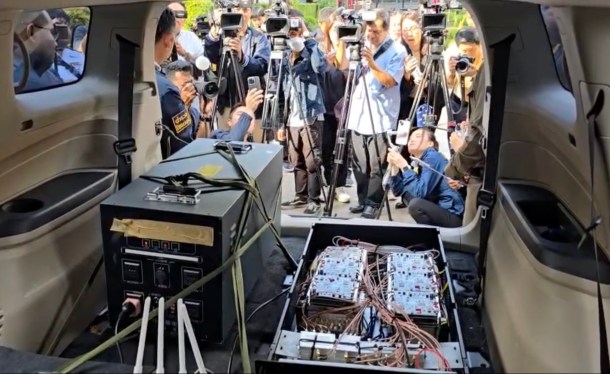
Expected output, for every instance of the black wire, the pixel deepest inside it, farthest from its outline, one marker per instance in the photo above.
(116, 332)
(248, 320)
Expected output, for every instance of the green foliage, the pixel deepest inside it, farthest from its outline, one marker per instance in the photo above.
(195, 8)
(456, 19)
(78, 16)
(310, 14)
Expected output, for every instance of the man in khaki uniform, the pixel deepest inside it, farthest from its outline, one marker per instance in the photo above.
(468, 162)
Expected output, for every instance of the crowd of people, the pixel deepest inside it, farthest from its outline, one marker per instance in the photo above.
(437, 174)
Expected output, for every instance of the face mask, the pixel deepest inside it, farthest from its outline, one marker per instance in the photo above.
(297, 44)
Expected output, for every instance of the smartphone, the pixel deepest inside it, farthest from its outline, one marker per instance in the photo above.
(254, 82)
(238, 148)
(295, 23)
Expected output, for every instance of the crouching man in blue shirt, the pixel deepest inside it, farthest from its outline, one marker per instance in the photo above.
(430, 199)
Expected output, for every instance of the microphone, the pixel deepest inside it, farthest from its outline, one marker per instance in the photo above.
(203, 63)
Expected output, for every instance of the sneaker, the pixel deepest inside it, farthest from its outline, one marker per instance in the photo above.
(297, 202)
(312, 208)
(348, 181)
(341, 196)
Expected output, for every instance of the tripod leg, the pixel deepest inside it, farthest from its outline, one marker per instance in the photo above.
(341, 141)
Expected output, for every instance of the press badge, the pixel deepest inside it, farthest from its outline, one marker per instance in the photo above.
(181, 121)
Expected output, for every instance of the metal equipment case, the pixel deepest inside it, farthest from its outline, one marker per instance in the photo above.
(145, 266)
(321, 236)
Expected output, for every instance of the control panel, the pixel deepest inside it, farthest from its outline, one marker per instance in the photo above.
(158, 268)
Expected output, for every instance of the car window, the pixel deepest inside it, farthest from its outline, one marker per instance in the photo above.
(555, 41)
(49, 48)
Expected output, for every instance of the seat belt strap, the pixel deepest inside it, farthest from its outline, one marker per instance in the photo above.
(487, 196)
(596, 109)
(125, 146)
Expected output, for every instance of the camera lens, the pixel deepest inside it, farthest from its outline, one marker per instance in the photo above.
(207, 89)
(462, 65)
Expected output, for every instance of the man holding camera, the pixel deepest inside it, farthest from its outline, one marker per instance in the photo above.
(467, 164)
(461, 69)
(180, 118)
(383, 69)
(306, 116)
(250, 47)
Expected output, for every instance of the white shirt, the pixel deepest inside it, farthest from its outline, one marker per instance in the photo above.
(191, 44)
(385, 101)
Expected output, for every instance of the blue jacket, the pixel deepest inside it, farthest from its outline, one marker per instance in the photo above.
(308, 72)
(429, 185)
(182, 122)
(237, 133)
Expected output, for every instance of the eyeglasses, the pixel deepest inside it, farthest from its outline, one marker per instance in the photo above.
(50, 28)
(180, 14)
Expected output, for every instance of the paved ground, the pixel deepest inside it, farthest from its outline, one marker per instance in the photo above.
(341, 209)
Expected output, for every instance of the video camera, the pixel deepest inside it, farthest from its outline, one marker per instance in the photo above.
(434, 26)
(351, 32)
(230, 22)
(203, 26)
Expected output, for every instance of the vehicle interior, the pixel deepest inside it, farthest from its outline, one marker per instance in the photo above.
(539, 308)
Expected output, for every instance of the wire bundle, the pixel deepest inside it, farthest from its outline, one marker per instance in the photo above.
(395, 328)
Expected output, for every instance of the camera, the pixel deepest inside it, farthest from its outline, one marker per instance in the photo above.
(207, 89)
(61, 32)
(463, 64)
(434, 26)
(231, 24)
(202, 26)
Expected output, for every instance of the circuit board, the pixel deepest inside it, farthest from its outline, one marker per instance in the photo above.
(338, 276)
(413, 285)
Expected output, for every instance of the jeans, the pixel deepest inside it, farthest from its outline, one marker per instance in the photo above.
(426, 212)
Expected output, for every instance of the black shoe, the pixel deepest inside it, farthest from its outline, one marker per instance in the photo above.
(297, 202)
(400, 205)
(312, 208)
(369, 212)
(357, 209)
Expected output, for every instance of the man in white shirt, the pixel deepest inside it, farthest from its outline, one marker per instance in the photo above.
(383, 71)
(188, 45)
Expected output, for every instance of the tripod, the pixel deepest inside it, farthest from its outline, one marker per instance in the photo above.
(275, 74)
(355, 66)
(434, 72)
(228, 60)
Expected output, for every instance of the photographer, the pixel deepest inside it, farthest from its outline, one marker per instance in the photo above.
(383, 70)
(181, 114)
(467, 164)
(306, 116)
(251, 47)
(461, 69)
(430, 199)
